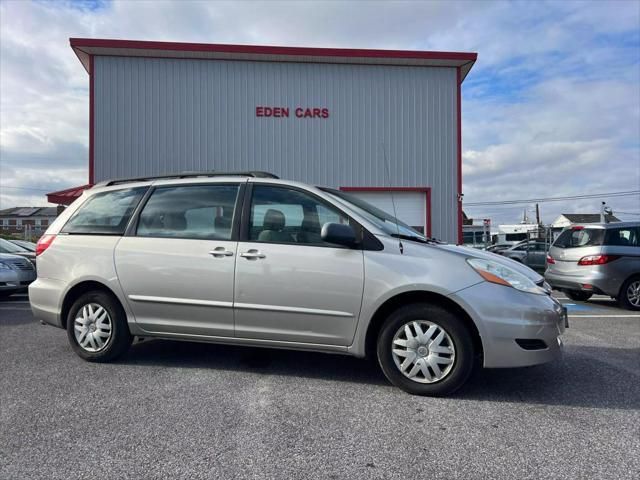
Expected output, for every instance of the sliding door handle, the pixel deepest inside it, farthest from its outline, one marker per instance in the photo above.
(252, 254)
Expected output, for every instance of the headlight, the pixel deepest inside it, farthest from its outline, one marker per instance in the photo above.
(4, 266)
(502, 275)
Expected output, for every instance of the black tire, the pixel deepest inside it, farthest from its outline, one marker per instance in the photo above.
(623, 297)
(462, 365)
(578, 296)
(119, 341)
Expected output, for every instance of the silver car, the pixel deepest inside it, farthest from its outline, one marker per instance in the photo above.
(16, 273)
(532, 254)
(248, 259)
(597, 258)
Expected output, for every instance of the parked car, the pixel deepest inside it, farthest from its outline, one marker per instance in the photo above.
(30, 246)
(8, 247)
(532, 254)
(499, 248)
(597, 258)
(249, 259)
(16, 273)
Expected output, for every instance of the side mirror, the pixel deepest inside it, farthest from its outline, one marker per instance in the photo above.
(338, 233)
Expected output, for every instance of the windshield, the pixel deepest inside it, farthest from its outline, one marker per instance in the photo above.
(385, 222)
(8, 247)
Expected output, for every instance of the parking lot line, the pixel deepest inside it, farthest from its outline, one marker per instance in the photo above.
(605, 316)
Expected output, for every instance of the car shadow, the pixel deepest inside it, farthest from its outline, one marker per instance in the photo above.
(592, 377)
(610, 303)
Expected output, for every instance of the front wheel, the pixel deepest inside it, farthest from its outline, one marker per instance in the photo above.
(578, 296)
(97, 327)
(425, 350)
(629, 296)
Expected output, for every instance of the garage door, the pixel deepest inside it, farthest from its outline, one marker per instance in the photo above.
(411, 206)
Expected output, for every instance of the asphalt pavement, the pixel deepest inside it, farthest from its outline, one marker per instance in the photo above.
(185, 410)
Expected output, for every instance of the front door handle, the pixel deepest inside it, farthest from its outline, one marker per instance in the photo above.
(252, 254)
(220, 252)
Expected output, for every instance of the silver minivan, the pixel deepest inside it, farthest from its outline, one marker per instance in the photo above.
(248, 259)
(597, 258)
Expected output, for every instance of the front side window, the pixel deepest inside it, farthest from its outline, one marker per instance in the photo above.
(283, 215)
(105, 213)
(190, 211)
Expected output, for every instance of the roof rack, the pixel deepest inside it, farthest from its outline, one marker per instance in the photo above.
(254, 174)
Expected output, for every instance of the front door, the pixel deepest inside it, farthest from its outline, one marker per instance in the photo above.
(290, 285)
(177, 268)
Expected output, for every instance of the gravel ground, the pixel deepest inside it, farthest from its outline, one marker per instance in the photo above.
(183, 410)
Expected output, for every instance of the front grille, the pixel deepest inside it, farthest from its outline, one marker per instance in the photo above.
(21, 264)
(531, 343)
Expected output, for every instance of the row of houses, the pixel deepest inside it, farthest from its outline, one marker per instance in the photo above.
(30, 220)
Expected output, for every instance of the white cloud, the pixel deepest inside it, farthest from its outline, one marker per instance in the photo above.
(551, 108)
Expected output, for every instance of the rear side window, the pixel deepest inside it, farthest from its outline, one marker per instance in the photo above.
(622, 237)
(191, 211)
(580, 237)
(105, 213)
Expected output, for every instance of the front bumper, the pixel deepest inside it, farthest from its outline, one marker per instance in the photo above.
(504, 315)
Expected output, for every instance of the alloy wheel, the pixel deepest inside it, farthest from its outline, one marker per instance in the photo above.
(633, 293)
(423, 351)
(93, 327)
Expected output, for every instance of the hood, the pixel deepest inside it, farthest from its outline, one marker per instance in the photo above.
(468, 252)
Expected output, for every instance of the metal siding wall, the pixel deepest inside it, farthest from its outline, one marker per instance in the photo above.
(155, 116)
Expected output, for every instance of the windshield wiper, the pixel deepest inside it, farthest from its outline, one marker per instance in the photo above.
(413, 238)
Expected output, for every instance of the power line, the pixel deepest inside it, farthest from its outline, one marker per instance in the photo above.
(557, 199)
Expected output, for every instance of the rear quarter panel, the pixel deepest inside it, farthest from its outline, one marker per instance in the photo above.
(73, 259)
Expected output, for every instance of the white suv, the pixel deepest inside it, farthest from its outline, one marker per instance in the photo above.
(249, 259)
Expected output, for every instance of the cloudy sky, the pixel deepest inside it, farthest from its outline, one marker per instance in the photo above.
(551, 108)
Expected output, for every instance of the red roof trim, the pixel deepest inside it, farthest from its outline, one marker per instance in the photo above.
(271, 50)
(67, 196)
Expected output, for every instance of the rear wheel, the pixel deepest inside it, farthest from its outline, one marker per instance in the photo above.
(97, 327)
(425, 350)
(578, 296)
(629, 296)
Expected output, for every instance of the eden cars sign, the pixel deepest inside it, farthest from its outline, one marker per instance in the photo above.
(298, 112)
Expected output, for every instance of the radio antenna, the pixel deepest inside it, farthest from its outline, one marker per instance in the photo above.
(393, 203)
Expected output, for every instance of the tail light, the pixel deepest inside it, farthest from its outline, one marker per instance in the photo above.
(44, 243)
(597, 259)
(550, 259)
